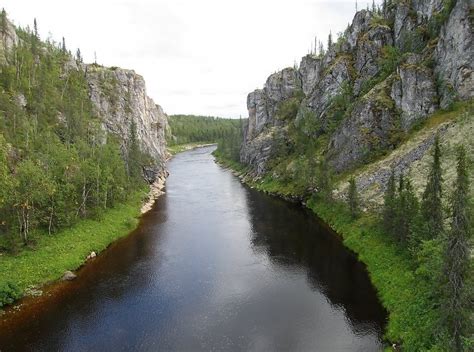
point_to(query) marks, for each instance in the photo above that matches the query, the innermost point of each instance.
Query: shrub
(9, 293)
(288, 109)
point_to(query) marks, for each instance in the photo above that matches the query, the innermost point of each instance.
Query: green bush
(9, 293)
(288, 109)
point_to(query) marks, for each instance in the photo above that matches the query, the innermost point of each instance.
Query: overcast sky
(197, 56)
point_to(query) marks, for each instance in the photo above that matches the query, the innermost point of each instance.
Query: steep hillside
(359, 100)
(75, 138)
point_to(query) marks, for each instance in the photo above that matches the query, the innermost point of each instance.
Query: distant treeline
(227, 133)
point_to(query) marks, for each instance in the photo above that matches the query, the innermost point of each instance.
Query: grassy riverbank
(392, 271)
(52, 255)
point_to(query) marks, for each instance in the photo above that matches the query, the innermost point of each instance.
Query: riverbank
(26, 272)
(175, 149)
(412, 318)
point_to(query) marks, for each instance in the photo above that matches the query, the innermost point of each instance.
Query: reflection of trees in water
(291, 237)
(116, 274)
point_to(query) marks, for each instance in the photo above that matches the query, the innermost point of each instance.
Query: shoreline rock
(69, 276)
(156, 190)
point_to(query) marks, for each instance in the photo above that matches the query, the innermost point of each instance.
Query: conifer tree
(3, 21)
(456, 259)
(399, 209)
(408, 212)
(353, 198)
(329, 40)
(133, 153)
(35, 27)
(78, 55)
(63, 46)
(389, 210)
(432, 197)
(321, 49)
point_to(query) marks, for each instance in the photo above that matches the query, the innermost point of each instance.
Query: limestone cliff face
(454, 53)
(387, 69)
(262, 105)
(8, 39)
(121, 99)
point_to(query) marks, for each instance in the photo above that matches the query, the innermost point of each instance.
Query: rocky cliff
(121, 100)
(390, 70)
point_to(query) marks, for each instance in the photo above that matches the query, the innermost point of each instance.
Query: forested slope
(75, 139)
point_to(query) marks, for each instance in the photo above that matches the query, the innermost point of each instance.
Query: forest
(227, 133)
(57, 165)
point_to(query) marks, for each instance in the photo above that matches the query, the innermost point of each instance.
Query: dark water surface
(214, 266)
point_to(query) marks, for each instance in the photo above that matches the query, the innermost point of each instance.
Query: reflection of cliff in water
(294, 238)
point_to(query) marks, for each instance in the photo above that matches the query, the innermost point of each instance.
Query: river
(213, 266)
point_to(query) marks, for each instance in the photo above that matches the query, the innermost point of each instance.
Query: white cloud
(200, 57)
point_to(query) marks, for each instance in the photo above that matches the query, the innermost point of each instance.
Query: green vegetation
(65, 250)
(66, 187)
(457, 263)
(432, 205)
(189, 130)
(417, 252)
(353, 198)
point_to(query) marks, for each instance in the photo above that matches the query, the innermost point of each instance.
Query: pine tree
(78, 55)
(329, 40)
(409, 208)
(323, 180)
(134, 154)
(63, 46)
(3, 21)
(321, 49)
(353, 198)
(456, 259)
(389, 210)
(432, 197)
(35, 27)
(398, 219)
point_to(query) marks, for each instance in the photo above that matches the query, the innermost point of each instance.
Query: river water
(214, 266)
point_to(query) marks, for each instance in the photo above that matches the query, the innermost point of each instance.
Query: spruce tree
(3, 21)
(63, 45)
(432, 197)
(399, 209)
(35, 28)
(353, 198)
(79, 56)
(133, 153)
(389, 210)
(329, 40)
(409, 213)
(456, 259)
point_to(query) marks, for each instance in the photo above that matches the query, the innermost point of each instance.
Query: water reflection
(293, 238)
(214, 266)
